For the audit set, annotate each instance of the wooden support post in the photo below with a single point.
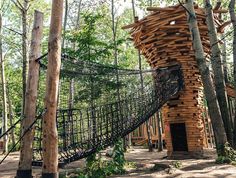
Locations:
(50, 136)
(25, 168)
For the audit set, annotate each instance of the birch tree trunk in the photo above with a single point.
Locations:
(233, 20)
(4, 96)
(25, 168)
(50, 136)
(216, 61)
(212, 102)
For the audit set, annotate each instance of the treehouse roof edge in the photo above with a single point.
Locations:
(164, 35)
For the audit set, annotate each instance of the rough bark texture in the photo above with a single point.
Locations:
(30, 98)
(218, 70)
(210, 93)
(50, 136)
(233, 20)
(4, 96)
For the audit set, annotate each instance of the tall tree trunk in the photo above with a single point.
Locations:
(25, 168)
(233, 20)
(213, 105)
(218, 71)
(25, 68)
(142, 87)
(11, 116)
(50, 139)
(4, 96)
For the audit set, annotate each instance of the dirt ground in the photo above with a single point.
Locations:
(190, 168)
(145, 161)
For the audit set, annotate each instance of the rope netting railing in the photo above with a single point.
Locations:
(86, 83)
(97, 122)
(90, 113)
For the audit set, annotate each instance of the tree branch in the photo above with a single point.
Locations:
(16, 32)
(189, 13)
(17, 4)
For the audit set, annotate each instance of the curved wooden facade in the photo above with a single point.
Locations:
(163, 37)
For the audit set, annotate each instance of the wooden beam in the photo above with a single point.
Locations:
(160, 9)
(221, 11)
(222, 27)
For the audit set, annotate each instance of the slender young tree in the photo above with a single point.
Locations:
(24, 11)
(65, 22)
(212, 102)
(24, 8)
(233, 20)
(141, 81)
(50, 135)
(25, 168)
(77, 26)
(218, 70)
(11, 116)
(114, 33)
(4, 95)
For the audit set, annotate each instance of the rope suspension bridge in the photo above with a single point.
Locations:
(95, 109)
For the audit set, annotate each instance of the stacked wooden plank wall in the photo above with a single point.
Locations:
(163, 37)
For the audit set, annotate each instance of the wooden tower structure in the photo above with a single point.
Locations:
(163, 37)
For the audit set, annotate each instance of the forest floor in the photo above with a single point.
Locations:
(146, 165)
